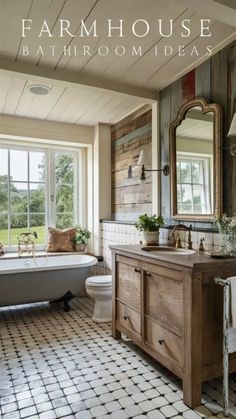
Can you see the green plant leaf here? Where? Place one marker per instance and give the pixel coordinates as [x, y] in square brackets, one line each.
[149, 222]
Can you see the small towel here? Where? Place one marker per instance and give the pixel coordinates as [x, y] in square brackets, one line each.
[232, 302]
[232, 340]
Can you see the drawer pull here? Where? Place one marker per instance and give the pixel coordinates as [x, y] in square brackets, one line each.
[148, 274]
[137, 270]
[126, 317]
[161, 341]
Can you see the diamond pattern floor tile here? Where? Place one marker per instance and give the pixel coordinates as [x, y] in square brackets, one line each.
[63, 365]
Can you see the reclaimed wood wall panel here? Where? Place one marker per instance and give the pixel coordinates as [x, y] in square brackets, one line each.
[165, 106]
[215, 80]
[129, 137]
[188, 86]
[231, 106]
[137, 119]
[203, 80]
[176, 98]
[132, 194]
[130, 212]
[219, 94]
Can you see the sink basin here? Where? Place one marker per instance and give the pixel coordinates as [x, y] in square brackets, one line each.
[167, 250]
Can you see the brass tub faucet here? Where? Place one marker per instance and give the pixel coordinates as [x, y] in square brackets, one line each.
[26, 243]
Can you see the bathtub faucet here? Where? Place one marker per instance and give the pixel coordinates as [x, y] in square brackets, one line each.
[2, 252]
[26, 243]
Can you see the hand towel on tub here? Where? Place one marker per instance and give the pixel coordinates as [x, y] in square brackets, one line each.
[232, 301]
[232, 313]
[232, 340]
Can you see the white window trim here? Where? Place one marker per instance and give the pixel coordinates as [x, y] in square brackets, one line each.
[52, 184]
[80, 180]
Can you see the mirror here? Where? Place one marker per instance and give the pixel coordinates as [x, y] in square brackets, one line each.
[195, 153]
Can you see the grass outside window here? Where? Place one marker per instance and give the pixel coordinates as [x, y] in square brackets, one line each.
[15, 231]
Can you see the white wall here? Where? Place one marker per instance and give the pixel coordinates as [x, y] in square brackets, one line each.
[102, 180]
[30, 129]
[193, 145]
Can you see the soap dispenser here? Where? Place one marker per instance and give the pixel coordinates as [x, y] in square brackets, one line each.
[201, 245]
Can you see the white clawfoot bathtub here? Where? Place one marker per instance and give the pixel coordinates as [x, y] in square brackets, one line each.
[27, 279]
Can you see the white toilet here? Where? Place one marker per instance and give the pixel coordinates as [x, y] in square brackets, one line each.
[100, 289]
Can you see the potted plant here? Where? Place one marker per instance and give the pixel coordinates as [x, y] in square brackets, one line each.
[81, 238]
[227, 230]
[150, 225]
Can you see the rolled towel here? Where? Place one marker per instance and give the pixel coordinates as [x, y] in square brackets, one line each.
[232, 340]
[232, 302]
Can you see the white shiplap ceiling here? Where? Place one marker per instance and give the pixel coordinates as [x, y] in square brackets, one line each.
[198, 130]
[69, 103]
[72, 99]
[197, 125]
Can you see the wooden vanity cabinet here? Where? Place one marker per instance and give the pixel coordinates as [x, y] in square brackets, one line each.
[128, 297]
[174, 313]
[163, 313]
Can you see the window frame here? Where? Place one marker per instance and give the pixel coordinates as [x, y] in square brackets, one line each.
[52, 184]
[50, 213]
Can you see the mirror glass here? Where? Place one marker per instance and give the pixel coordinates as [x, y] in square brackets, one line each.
[194, 163]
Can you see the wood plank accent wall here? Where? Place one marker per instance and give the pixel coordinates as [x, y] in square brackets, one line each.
[129, 137]
[214, 80]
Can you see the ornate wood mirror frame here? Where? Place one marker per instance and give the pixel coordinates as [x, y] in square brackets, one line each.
[216, 171]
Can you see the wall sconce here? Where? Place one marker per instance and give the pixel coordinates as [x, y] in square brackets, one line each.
[232, 133]
[142, 162]
[165, 170]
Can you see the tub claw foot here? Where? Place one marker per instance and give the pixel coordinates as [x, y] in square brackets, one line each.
[67, 306]
[65, 299]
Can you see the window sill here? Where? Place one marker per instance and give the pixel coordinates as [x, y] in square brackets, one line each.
[14, 255]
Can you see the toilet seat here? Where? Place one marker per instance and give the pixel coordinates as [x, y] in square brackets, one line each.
[99, 281]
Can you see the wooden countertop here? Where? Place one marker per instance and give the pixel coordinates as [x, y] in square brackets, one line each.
[196, 259]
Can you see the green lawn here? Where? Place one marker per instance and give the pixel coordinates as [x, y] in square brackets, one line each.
[16, 231]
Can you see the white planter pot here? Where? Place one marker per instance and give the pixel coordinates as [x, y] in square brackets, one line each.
[81, 247]
[151, 238]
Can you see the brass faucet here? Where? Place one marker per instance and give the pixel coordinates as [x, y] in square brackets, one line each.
[26, 243]
[182, 227]
[2, 252]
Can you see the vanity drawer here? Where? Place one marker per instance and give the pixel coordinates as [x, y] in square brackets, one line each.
[164, 342]
[164, 299]
[128, 282]
[129, 319]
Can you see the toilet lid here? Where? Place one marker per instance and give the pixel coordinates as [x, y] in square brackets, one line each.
[100, 280]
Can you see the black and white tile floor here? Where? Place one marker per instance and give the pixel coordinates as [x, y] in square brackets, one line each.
[63, 365]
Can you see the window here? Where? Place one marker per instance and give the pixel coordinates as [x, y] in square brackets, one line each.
[193, 184]
[64, 189]
[37, 188]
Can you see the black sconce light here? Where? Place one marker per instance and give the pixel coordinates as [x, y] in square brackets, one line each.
[142, 178]
[165, 170]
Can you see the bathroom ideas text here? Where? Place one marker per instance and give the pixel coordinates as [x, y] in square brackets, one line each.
[137, 31]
